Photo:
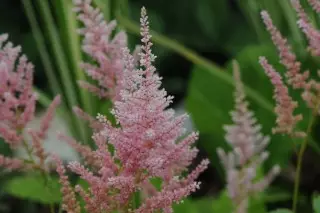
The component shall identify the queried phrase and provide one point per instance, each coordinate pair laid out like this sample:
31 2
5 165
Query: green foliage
34 188
281 211
211 16
194 206
224 204
4 147
316 204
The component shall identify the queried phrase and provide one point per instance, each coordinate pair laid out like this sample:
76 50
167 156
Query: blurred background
195 41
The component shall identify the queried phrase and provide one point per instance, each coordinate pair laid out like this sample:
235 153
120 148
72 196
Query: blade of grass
58 52
48 67
68 22
252 17
60 56
54 84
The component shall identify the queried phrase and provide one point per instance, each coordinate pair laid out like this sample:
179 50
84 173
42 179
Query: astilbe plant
148 141
297 79
248 152
17 109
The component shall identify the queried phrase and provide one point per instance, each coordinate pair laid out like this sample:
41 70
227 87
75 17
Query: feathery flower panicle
18 104
17 100
104 49
287 57
248 152
69 202
312 34
148 142
315 5
296 78
312 91
286 120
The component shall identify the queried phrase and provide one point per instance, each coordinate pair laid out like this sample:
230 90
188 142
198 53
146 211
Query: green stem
48 67
252 16
300 157
60 56
69 23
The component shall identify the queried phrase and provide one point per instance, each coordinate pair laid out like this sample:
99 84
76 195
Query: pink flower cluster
104 49
17 106
287 121
248 152
147 142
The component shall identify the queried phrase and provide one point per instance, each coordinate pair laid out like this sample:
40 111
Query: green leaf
212 15
186 206
156 182
4 147
194 205
34 188
316 204
224 204
281 211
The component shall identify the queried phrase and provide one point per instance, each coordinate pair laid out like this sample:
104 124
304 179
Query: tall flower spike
286 120
104 48
287 57
312 34
69 202
17 100
148 141
248 152
18 104
295 78
311 94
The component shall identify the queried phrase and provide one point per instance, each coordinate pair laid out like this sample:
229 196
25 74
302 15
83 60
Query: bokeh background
195 41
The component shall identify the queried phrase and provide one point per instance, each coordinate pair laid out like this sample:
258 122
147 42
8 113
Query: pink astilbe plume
248 152
148 142
312 92
104 49
298 80
17 99
287 57
69 202
286 120
18 104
